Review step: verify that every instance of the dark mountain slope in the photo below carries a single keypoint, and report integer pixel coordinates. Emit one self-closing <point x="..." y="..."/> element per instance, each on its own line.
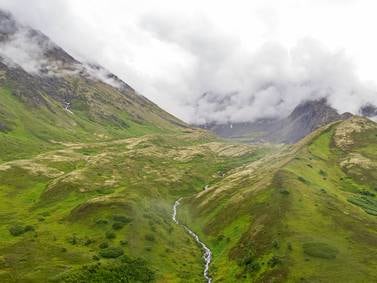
<point x="305" y="118"/>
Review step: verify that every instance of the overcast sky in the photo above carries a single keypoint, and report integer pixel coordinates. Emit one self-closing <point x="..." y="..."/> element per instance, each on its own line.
<point x="255" y="58"/>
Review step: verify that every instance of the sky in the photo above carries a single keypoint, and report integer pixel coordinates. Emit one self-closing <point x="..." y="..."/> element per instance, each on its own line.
<point x="221" y="61"/>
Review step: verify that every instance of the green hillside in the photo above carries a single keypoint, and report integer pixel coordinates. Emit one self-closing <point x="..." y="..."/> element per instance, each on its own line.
<point x="65" y="211"/>
<point x="305" y="214"/>
<point x="34" y="116"/>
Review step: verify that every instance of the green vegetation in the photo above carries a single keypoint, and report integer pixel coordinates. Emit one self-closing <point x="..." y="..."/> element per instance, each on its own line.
<point x="125" y="270"/>
<point x="87" y="197"/>
<point x="17" y="230"/>
<point x="111" y="252"/>
<point x="367" y="203"/>
<point x="92" y="200"/>
<point x="295" y="216"/>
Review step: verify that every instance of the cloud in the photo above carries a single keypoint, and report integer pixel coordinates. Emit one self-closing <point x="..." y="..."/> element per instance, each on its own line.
<point x="237" y="85"/>
<point x="217" y="61"/>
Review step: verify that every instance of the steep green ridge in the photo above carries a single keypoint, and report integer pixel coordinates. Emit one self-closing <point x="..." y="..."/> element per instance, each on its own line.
<point x="305" y="214"/>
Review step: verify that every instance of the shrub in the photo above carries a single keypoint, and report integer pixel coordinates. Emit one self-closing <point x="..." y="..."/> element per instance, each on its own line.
<point x="16" y="230"/>
<point x="289" y="247"/>
<point x="110" y="235"/>
<point x="103" y="245"/>
<point x="122" y="218"/>
<point x="275" y="244"/>
<point x="118" y="225"/>
<point x="220" y="238"/>
<point x="124" y="242"/>
<point x="87" y="242"/>
<point x="126" y="270"/>
<point x="303" y="180"/>
<point x="150" y="237"/>
<point x="367" y="193"/>
<point x="111" y="252"/>
<point x="72" y="240"/>
<point x="101" y="221"/>
<point x="274" y="261"/>
<point x="253" y="267"/>
<point x="322" y="173"/>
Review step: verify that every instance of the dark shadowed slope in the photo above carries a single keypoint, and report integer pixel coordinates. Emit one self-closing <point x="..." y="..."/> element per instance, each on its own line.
<point x="305" y="118"/>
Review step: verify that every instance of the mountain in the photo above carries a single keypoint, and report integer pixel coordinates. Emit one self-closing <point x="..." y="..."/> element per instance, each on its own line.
<point x="98" y="184"/>
<point x="50" y="97"/>
<point x="369" y="110"/>
<point x="306" y="213"/>
<point x="90" y="169"/>
<point x="304" y="119"/>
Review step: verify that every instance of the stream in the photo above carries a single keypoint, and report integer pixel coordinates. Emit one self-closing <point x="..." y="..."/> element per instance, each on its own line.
<point x="207" y="254"/>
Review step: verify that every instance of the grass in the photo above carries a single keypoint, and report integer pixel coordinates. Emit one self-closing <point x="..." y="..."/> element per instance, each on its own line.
<point x="93" y="199"/>
<point x="295" y="218"/>
<point x="108" y="192"/>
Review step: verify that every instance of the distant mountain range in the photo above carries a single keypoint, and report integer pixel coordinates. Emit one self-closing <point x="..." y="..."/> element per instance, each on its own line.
<point x="304" y="119"/>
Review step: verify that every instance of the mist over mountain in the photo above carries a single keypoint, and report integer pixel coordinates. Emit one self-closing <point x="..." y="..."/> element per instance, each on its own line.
<point x="304" y="119"/>
<point x="245" y="65"/>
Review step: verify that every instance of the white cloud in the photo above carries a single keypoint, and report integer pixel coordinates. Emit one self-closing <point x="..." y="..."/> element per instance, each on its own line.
<point x="173" y="51"/>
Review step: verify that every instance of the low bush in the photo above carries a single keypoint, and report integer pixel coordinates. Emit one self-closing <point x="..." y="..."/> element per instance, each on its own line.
<point x="110" y="235"/>
<point x="124" y="242"/>
<point x="111" y="252"/>
<point x="118" y="225"/>
<point x="367" y="193"/>
<point x="150" y="237"/>
<point x="122" y="218"/>
<point x="103" y="245"/>
<point x="275" y="244"/>
<point x="72" y="240"/>
<point x="17" y="230"/>
<point x="303" y="180"/>
<point x="125" y="270"/>
<point x="101" y="221"/>
<point x="272" y="262"/>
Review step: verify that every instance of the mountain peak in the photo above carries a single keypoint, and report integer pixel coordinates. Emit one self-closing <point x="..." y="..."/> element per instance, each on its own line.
<point x="305" y="118"/>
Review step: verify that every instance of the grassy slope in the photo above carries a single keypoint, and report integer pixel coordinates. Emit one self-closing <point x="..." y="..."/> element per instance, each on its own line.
<point x="100" y="113"/>
<point x="64" y="193"/>
<point x="292" y="216"/>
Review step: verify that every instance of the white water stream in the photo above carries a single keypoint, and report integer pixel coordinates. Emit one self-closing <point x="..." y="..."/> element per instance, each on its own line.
<point x="207" y="255"/>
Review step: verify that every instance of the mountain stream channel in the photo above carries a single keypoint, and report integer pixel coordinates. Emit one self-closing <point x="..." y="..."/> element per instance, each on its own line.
<point x="207" y="254"/>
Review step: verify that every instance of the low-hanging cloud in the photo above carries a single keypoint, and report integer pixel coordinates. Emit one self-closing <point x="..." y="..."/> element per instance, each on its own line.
<point x="237" y="85"/>
<point x="195" y="68"/>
